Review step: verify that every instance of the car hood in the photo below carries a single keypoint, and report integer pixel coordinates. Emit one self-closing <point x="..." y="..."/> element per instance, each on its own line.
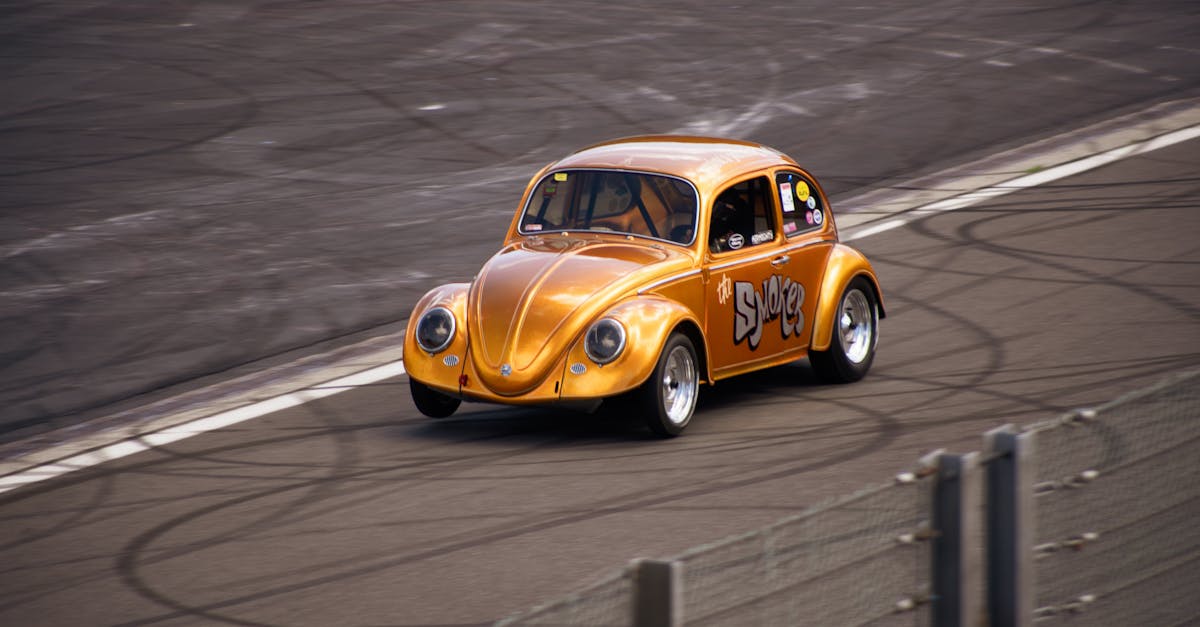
<point x="535" y="297"/>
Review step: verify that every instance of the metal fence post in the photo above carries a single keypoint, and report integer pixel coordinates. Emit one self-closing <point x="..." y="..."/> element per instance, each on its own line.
<point x="1010" y="526"/>
<point x="956" y="521"/>
<point x="657" y="593"/>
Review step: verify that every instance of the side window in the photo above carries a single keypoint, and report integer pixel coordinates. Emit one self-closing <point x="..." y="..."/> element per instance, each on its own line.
<point x="802" y="208"/>
<point x="742" y="216"/>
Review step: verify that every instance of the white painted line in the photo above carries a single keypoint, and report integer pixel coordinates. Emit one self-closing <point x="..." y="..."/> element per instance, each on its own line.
<point x="1029" y="180"/>
<point x="164" y="437"/>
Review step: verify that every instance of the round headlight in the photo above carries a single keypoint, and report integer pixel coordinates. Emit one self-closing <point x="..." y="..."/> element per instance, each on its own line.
<point x="604" y="341"/>
<point x="435" y="329"/>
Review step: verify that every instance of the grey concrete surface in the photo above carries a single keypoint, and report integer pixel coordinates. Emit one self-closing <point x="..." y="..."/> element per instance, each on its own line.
<point x="355" y="510"/>
<point x="187" y="187"/>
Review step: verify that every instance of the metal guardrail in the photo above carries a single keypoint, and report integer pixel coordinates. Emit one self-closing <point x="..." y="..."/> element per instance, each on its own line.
<point x="1091" y="518"/>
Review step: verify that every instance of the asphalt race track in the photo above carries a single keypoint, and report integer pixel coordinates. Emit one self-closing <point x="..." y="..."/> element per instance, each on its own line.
<point x="191" y="187"/>
<point x="357" y="510"/>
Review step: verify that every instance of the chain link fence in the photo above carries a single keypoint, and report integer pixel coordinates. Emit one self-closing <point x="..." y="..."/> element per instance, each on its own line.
<point x="809" y="569"/>
<point x="1117" y="510"/>
<point x="1092" y="519"/>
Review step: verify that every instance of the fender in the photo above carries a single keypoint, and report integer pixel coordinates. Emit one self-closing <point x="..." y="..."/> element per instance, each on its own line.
<point x="844" y="265"/>
<point x="648" y="321"/>
<point x="433" y="370"/>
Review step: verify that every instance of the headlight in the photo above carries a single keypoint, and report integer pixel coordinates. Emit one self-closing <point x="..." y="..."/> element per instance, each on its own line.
<point x="604" y="341"/>
<point x="435" y="330"/>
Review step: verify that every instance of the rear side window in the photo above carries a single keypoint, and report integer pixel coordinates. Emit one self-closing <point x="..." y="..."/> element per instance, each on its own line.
<point x="802" y="207"/>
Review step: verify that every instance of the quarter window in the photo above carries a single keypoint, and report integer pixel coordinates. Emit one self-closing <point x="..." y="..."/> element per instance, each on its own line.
<point x="802" y="207"/>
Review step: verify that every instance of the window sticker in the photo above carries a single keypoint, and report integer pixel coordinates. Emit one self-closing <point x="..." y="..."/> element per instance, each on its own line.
<point x="736" y="241"/>
<point x="811" y="203"/>
<point x="762" y="236"/>
<point x="789" y="227"/>
<point x="785" y="194"/>
<point x="533" y="227"/>
<point x="802" y="191"/>
<point x="560" y="176"/>
<point x="817" y="217"/>
<point x="808" y="217"/>
<point x="550" y="190"/>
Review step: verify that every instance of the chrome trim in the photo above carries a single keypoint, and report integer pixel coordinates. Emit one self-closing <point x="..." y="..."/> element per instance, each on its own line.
<point x="775" y="251"/>
<point x="671" y="279"/>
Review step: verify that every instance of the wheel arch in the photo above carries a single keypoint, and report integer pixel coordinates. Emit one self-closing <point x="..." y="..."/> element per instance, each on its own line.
<point x="649" y="321"/>
<point x="692" y="330"/>
<point x="845" y="264"/>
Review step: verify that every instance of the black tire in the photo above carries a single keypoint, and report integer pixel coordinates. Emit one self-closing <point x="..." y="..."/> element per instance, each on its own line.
<point x="855" y="335"/>
<point x="431" y="402"/>
<point x="668" y="397"/>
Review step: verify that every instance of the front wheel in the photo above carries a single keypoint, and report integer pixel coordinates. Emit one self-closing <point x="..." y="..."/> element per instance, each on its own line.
<point x="431" y="402"/>
<point x="668" y="397"/>
<point x="855" y="334"/>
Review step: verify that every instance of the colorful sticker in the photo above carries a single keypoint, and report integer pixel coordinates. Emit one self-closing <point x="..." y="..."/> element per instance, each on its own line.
<point x="789" y="227"/>
<point x="550" y="190"/>
<point x="817" y="217"/>
<point x="736" y="241"/>
<point x="762" y="236"/>
<point x="808" y="217"/>
<point x="785" y="194"/>
<point x="811" y="202"/>
<point x="533" y="227"/>
<point x="560" y="176"/>
<point x="802" y="191"/>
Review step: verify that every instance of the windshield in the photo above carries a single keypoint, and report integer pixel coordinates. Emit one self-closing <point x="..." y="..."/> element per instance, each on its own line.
<point x="636" y="203"/>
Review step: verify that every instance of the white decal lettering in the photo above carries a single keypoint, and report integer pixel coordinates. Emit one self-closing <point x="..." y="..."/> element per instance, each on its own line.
<point x="780" y="298"/>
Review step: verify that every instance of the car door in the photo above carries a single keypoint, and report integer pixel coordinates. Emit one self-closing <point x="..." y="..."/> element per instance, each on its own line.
<point x="748" y="290"/>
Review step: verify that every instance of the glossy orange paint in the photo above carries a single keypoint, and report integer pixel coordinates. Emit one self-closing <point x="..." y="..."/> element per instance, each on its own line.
<point x="520" y="325"/>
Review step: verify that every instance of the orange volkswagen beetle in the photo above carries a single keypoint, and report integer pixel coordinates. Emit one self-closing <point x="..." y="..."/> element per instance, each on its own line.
<point x="641" y="268"/>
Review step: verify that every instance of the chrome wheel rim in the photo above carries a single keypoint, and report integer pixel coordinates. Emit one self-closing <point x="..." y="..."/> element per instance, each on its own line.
<point x="679" y="385"/>
<point x="857" y="326"/>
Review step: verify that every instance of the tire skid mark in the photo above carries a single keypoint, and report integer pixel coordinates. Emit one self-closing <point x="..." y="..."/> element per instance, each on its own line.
<point x="130" y="561"/>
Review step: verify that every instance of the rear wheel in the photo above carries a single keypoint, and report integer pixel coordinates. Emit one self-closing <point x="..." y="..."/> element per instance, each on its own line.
<point x="668" y="397"/>
<point x="855" y="334"/>
<point x="431" y="402"/>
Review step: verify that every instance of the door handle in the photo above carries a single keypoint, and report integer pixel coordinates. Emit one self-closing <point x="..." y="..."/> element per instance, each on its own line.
<point x="780" y="260"/>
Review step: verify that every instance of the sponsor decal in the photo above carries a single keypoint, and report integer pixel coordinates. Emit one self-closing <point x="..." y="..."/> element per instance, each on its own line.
<point x="550" y="190"/>
<point x="560" y="176"/>
<point x="785" y="194"/>
<point x="780" y="298"/>
<point x="818" y="217"/>
<point x="808" y="217"/>
<point x="789" y="227"/>
<point x="811" y="203"/>
<point x="802" y="191"/>
<point x="533" y="227"/>
<point x="736" y="241"/>
<point x="762" y="236"/>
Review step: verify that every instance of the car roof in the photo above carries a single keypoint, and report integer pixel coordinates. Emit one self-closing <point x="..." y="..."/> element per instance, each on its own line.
<point x="706" y="161"/>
